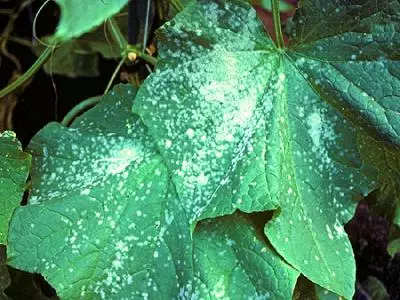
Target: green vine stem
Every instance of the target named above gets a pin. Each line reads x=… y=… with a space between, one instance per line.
x=114 y=75
x=79 y=109
x=277 y=23
x=28 y=74
x=125 y=48
x=177 y=4
x=117 y=34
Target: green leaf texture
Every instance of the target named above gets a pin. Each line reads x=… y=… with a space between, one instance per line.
x=233 y=257
x=350 y=53
x=14 y=170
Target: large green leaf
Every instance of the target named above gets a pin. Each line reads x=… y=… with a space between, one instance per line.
x=244 y=125
x=14 y=170
x=103 y=220
x=79 y=17
x=234 y=261
x=227 y=122
x=116 y=228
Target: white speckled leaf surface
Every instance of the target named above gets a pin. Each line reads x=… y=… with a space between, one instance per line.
x=226 y=122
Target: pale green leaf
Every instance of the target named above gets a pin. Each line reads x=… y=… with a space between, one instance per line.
x=14 y=170
x=117 y=229
x=79 y=17
x=80 y=57
x=226 y=122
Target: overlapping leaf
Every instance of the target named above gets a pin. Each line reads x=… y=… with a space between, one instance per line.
x=101 y=219
x=232 y=257
x=385 y=201
x=244 y=125
x=80 y=56
x=227 y=122
x=116 y=229
x=79 y=17
x=14 y=170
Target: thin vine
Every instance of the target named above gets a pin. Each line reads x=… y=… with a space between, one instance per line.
x=277 y=23
x=28 y=74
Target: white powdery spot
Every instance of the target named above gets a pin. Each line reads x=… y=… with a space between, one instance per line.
x=120 y=159
x=314 y=124
x=330 y=235
x=168 y=144
x=339 y=229
x=219 y=289
x=85 y=192
x=202 y=179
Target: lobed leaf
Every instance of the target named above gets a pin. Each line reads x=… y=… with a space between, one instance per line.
x=227 y=122
x=114 y=228
x=244 y=125
x=117 y=229
x=350 y=53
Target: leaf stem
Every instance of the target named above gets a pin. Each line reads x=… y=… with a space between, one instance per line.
x=79 y=109
x=125 y=47
x=117 y=35
x=114 y=75
x=277 y=23
x=150 y=59
x=177 y=4
x=28 y=74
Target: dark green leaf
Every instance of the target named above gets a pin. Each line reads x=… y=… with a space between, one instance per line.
x=14 y=170
x=4 y=275
x=234 y=261
x=376 y=289
x=394 y=247
x=349 y=53
x=80 y=57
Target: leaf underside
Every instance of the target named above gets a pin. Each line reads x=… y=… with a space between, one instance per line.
x=227 y=122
